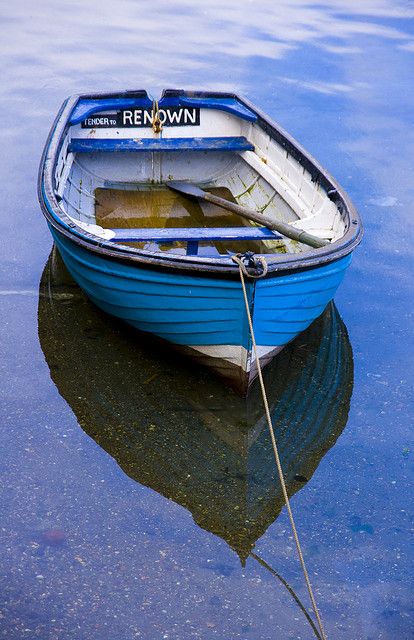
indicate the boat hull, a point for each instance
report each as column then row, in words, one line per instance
column 193, row 299
column 204, row 315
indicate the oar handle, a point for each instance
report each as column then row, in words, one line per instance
column 282, row 227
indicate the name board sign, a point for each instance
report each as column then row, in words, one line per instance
column 169, row 117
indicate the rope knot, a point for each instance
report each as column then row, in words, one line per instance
column 252, row 266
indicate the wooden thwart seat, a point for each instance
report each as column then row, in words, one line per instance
column 194, row 235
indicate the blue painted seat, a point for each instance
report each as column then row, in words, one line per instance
column 90, row 145
column 194, row 235
column 199, row 234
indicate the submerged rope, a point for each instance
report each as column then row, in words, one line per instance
column 287, row 586
column 238, row 261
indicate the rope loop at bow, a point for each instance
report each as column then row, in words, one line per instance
column 252, row 266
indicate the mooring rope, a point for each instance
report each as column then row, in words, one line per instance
column 238, row 260
column 156, row 120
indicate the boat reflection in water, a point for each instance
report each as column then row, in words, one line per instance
column 177, row 429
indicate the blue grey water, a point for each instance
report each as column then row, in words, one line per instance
column 110, row 528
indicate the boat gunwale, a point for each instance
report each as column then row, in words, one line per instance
column 277, row 264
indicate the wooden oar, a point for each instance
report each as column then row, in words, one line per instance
column 282, row 227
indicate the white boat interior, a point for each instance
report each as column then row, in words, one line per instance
column 101, row 189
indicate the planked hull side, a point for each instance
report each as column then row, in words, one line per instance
column 205, row 317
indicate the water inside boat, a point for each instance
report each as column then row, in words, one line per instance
column 159, row 207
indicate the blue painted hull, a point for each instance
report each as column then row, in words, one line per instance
column 206, row 315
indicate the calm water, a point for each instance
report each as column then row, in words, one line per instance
column 135, row 489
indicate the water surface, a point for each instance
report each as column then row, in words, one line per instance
column 135, row 489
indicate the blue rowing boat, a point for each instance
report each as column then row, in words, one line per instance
column 163, row 262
